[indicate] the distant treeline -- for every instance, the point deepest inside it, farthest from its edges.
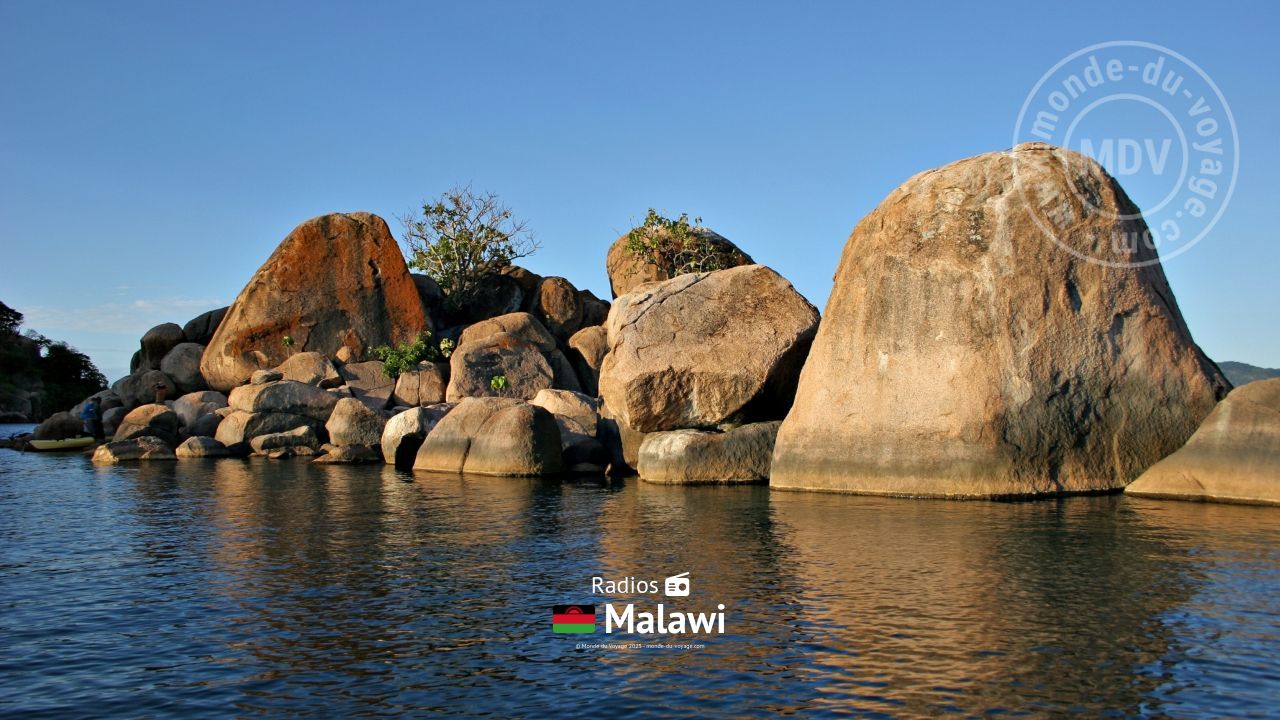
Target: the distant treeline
(39, 376)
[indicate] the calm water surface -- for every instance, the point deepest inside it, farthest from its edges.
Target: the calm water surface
(244, 588)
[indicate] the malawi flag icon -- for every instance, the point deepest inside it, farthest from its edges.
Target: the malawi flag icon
(573, 618)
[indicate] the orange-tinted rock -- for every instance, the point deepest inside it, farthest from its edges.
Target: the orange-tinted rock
(337, 281)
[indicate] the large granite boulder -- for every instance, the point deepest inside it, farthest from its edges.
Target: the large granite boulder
(284, 396)
(354, 423)
(404, 433)
(369, 383)
(627, 270)
(964, 353)
(312, 368)
(474, 365)
(150, 421)
(156, 343)
(594, 310)
(182, 366)
(697, 457)
(705, 349)
(337, 281)
(493, 436)
(138, 448)
(1233, 457)
(424, 385)
(200, 329)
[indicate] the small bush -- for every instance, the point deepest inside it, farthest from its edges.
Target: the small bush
(498, 383)
(461, 239)
(677, 246)
(406, 356)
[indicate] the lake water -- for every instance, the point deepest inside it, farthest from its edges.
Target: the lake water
(243, 588)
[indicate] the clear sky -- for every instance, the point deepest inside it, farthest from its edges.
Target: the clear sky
(152, 154)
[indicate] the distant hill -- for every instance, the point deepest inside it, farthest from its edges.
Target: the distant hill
(1240, 373)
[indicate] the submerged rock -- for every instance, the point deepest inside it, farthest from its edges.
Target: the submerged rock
(1233, 457)
(138, 448)
(965, 354)
(705, 349)
(336, 282)
(689, 457)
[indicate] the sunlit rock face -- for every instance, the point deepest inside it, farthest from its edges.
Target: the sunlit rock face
(964, 353)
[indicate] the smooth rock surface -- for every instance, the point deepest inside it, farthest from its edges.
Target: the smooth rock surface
(298, 437)
(182, 366)
(1234, 456)
(965, 354)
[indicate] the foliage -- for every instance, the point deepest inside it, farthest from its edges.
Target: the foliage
(406, 356)
(462, 238)
(446, 348)
(498, 383)
(287, 340)
(57, 374)
(677, 246)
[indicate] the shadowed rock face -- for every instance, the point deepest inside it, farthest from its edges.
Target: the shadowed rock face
(337, 281)
(1233, 457)
(965, 354)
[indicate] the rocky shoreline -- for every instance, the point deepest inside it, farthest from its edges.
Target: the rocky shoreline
(961, 355)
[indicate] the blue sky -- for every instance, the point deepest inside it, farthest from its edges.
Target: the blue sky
(153, 154)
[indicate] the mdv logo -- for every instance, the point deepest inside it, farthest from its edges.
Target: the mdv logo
(1129, 156)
